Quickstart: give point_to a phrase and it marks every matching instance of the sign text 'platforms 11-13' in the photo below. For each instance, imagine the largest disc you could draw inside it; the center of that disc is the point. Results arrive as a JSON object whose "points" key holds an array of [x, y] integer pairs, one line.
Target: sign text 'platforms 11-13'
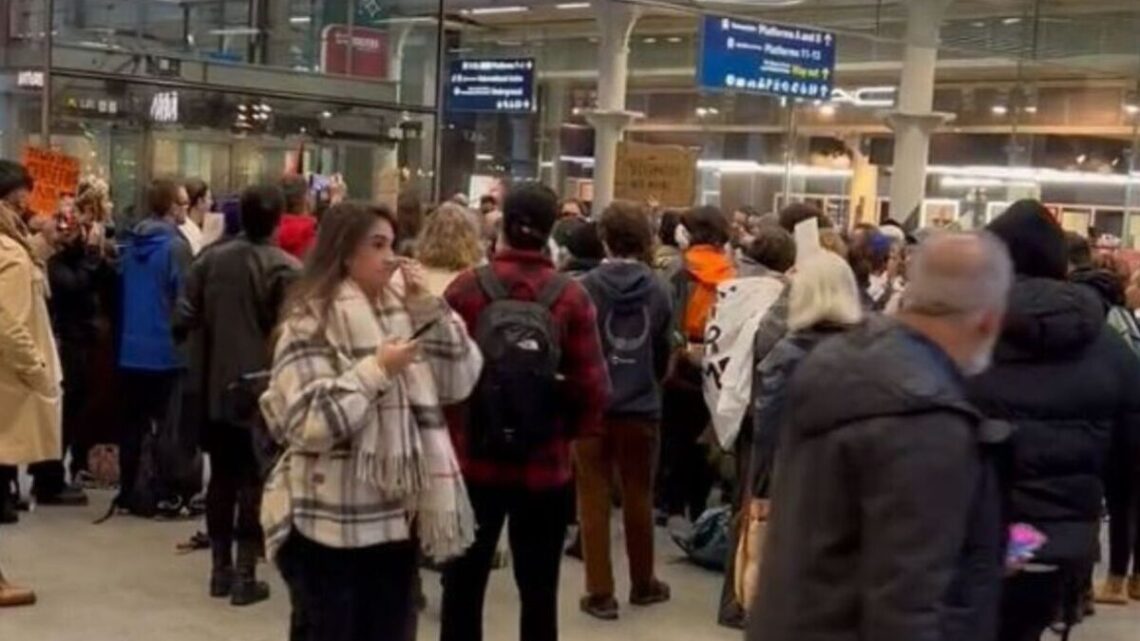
{"points": [[493, 85], [753, 57]]}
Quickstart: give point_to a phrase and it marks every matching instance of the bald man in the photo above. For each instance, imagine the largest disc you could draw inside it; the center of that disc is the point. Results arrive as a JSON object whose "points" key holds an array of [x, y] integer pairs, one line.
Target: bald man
{"points": [[886, 521]]}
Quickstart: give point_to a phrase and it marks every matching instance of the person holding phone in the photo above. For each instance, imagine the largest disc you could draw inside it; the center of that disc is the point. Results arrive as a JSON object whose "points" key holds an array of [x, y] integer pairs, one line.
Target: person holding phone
{"points": [[368, 470]]}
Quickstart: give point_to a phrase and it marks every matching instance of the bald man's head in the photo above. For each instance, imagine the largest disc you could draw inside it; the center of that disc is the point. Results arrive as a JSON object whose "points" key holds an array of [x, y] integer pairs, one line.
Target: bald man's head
{"points": [[956, 295], [958, 273]]}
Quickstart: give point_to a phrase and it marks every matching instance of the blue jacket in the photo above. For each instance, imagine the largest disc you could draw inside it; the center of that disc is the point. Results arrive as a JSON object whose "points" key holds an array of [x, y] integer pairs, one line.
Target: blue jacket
{"points": [[155, 258]]}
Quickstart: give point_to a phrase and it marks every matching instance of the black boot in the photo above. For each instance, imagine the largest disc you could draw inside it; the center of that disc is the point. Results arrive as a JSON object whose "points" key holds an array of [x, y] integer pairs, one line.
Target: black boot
{"points": [[222, 575], [8, 503], [247, 590], [8, 513]]}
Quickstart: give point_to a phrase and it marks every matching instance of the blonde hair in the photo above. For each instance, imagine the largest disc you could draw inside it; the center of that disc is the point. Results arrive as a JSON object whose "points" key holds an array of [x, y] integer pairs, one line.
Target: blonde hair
{"points": [[832, 241], [449, 240], [823, 291], [94, 199]]}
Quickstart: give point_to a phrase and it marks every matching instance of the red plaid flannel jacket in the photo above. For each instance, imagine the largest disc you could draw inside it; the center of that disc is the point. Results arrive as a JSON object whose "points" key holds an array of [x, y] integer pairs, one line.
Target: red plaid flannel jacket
{"points": [[583, 366]]}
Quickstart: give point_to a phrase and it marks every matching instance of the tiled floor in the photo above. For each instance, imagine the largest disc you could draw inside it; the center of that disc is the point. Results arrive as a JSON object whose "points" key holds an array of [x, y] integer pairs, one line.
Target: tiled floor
{"points": [[122, 581]]}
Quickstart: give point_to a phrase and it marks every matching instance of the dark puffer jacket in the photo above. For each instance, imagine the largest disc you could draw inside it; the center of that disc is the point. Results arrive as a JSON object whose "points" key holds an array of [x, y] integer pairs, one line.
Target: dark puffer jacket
{"points": [[1072, 388], [886, 520]]}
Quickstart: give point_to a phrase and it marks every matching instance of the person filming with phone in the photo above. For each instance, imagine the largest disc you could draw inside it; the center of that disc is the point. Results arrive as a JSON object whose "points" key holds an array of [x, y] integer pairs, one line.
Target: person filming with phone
{"points": [[364, 362]]}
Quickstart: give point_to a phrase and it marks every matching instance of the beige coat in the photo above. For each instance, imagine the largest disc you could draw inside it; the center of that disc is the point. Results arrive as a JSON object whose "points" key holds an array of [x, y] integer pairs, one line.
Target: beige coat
{"points": [[30, 375]]}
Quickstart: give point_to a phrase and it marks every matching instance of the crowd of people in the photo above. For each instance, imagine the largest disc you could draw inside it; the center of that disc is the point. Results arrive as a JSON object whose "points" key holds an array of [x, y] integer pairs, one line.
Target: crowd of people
{"points": [[907, 440]]}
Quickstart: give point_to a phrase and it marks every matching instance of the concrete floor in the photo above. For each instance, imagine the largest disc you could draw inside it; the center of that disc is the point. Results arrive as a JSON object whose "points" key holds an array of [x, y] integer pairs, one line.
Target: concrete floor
{"points": [[122, 581]]}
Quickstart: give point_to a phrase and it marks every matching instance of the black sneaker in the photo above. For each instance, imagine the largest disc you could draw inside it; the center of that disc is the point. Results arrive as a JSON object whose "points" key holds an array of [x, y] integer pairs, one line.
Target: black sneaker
{"points": [[600, 607], [655, 592], [70, 496], [221, 583], [248, 592]]}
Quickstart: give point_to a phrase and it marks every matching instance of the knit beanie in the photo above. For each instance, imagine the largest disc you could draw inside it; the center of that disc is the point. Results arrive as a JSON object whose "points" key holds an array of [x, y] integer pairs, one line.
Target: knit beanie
{"points": [[1035, 241]]}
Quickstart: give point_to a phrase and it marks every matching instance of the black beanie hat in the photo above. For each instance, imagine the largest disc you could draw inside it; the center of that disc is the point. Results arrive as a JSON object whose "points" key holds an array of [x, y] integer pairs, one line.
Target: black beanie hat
{"points": [[1035, 241]]}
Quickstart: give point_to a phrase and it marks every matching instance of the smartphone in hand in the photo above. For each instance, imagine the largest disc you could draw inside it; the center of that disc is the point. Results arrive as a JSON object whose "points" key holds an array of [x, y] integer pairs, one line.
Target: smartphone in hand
{"points": [[425, 327]]}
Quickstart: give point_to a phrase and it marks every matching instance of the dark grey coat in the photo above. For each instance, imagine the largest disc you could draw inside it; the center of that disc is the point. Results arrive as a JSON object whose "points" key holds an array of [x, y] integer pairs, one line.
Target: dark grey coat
{"points": [[886, 517], [232, 297]]}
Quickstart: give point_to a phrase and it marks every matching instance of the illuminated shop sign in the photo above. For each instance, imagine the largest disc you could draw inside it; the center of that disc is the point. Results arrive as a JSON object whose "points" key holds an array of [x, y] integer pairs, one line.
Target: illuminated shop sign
{"points": [[865, 96], [499, 85], [30, 79], [752, 57], [164, 107]]}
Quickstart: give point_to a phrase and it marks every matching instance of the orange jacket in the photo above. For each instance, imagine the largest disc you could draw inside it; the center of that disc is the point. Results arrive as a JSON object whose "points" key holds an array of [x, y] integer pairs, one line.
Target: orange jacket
{"points": [[708, 267]]}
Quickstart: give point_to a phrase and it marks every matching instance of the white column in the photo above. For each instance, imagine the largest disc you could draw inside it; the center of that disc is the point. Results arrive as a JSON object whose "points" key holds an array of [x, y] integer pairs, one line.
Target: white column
{"points": [[615, 20], [914, 118]]}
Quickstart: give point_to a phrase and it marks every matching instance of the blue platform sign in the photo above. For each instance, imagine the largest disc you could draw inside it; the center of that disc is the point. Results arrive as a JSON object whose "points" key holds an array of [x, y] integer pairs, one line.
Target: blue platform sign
{"points": [[495, 85], [753, 57]]}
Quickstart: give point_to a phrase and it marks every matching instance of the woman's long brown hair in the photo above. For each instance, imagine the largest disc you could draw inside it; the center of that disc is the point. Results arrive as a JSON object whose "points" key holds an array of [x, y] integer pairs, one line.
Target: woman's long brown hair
{"points": [[342, 230]]}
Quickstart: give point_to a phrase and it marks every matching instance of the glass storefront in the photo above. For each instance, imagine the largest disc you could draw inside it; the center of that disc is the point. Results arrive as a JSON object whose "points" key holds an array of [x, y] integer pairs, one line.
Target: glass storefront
{"points": [[234, 92]]}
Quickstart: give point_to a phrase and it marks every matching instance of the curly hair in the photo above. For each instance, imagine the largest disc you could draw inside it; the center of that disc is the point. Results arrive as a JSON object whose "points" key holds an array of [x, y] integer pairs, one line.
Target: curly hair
{"points": [[94, 199], [449, 240]]}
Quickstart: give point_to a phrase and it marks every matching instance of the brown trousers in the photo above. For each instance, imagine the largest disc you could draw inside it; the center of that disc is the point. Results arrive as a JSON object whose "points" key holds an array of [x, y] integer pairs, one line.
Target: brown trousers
{"points": [[630, 445]]}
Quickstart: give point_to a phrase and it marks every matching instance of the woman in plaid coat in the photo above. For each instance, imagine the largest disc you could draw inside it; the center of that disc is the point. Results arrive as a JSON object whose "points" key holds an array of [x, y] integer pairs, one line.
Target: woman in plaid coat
{"points": [[365, 360]]}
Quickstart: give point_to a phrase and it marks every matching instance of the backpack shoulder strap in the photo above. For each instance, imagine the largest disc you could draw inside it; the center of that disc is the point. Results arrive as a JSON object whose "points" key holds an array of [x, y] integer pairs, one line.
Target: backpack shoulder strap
{"points": [[490, 284], [552, 290]]}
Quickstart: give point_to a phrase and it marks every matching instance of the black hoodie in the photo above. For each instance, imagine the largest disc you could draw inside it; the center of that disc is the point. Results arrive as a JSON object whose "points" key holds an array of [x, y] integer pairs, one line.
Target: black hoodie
{"points": [[634, 316], [1072, 388]]}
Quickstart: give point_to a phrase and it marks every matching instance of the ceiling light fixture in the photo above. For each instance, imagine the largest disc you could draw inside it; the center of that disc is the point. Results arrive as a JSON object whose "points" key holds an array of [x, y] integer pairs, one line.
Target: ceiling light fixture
{"points": [[572, 6], [490, 11], [767, 4], [999, 110]]}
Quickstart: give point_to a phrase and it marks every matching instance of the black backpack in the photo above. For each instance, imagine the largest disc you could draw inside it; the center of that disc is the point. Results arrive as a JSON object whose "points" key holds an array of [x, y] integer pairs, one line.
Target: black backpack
{"points": [[517, 402], [627, 341]]}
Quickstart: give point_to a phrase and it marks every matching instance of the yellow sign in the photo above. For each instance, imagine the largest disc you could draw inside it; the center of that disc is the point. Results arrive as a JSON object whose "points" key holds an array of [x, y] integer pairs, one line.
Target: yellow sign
{"points": [[665, 173], [55, 174]]}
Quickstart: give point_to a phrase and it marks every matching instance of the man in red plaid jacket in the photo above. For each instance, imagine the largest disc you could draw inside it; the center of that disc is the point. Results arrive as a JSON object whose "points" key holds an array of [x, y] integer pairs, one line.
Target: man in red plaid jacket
{"points": [[532, 493]]}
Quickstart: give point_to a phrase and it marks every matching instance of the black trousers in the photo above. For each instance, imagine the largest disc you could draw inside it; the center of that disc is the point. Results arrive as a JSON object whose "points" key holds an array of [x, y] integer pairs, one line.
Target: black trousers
{"points": [[355, 594], [48, 476], [1122, 495], [147, 411], [233, 498], [1031, 602], [685, 476], [536, 530]]}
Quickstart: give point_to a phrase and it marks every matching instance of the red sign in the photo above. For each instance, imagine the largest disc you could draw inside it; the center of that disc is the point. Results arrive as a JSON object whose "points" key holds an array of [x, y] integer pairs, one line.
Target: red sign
{"points": [[369, 51], [55, 175]]}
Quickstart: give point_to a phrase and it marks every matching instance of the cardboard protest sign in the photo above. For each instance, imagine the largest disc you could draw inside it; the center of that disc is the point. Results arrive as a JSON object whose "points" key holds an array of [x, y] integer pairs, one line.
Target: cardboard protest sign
{"points": [[665, 173], [55, 174]]}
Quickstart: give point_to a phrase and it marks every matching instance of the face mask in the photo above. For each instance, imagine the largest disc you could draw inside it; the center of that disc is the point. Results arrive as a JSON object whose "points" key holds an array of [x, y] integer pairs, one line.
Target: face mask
{"points": [[681, 236]]}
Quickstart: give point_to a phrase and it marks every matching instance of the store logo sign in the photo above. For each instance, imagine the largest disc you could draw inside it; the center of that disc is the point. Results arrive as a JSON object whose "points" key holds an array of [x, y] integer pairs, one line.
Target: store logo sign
{"points": [[164, 107], [30, 79], [865, 96]]}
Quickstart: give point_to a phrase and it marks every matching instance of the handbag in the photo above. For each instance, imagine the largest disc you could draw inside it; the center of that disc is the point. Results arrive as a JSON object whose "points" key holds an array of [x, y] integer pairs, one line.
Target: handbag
{"points": [[749, 550], [242, 407]]}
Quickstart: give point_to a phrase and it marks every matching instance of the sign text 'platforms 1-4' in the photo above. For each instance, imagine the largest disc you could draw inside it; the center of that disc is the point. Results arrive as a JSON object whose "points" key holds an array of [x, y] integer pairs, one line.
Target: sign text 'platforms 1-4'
{"points": [[753, 57], [496, 85]]}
